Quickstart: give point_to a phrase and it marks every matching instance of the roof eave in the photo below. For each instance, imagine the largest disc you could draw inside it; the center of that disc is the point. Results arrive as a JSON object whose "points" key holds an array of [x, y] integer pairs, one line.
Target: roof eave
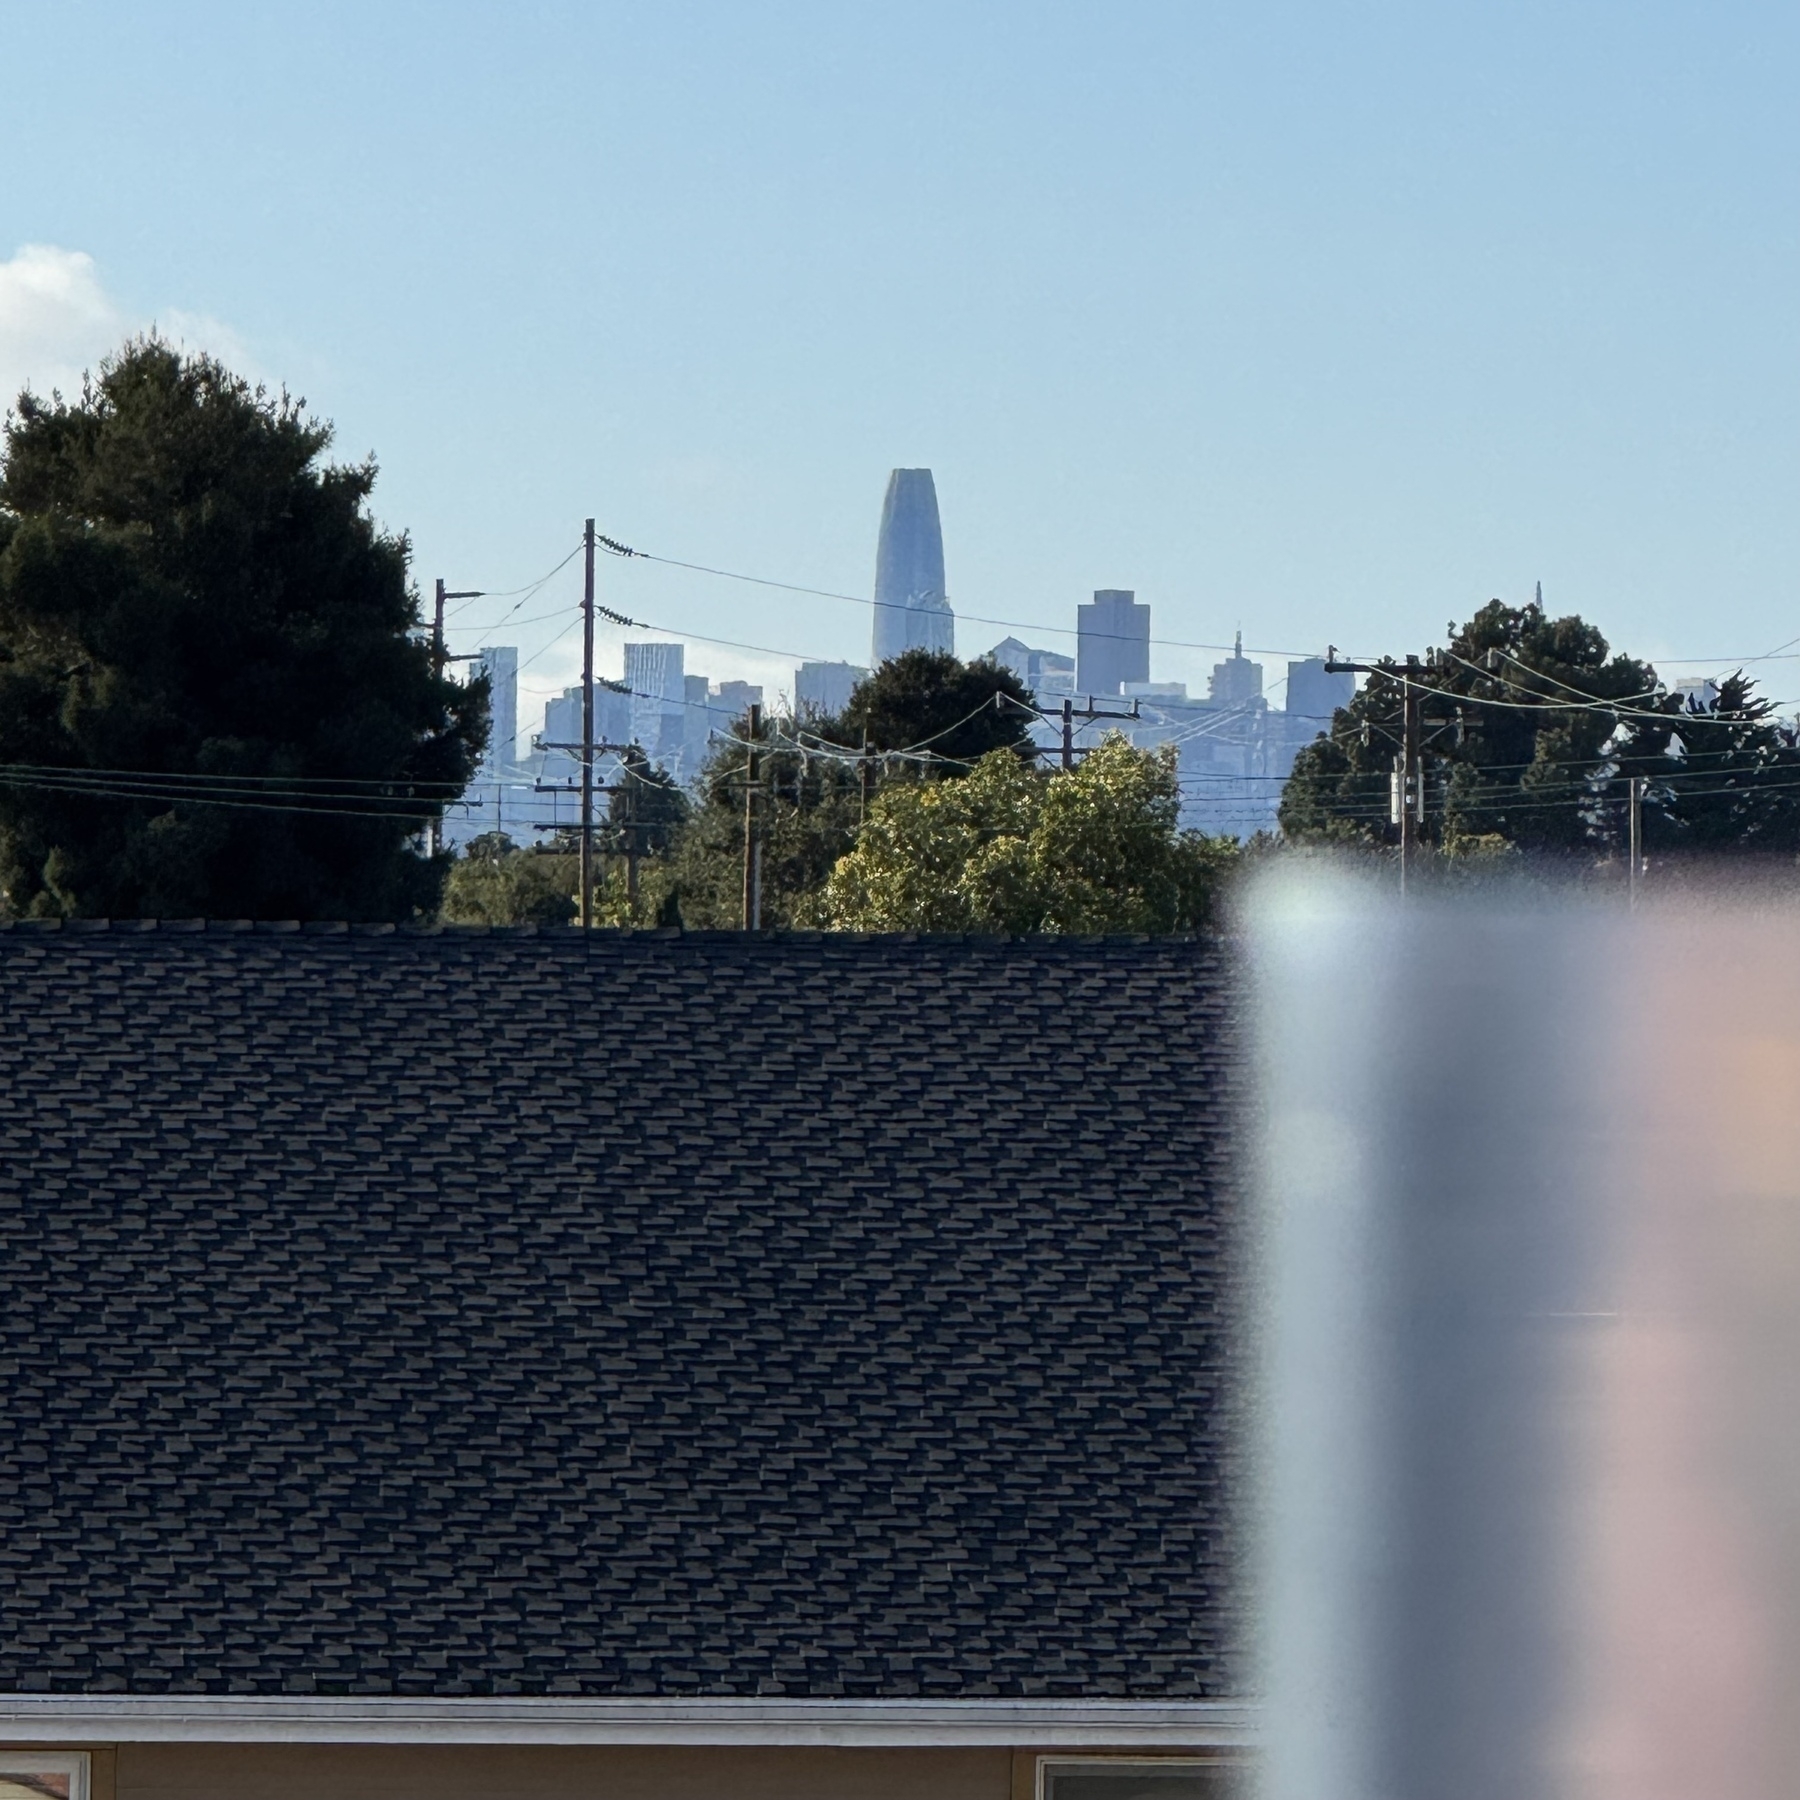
{"points": [[311, 1719]]}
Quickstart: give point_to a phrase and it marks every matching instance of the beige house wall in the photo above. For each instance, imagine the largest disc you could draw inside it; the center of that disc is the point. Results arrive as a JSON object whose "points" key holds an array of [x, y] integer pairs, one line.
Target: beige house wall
{"points": [[488, 1772], [167, 1771]]}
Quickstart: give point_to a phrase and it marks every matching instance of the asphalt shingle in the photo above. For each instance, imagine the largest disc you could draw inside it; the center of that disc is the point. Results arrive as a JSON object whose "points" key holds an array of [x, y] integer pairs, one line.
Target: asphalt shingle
{"points": [[532, 1313]]}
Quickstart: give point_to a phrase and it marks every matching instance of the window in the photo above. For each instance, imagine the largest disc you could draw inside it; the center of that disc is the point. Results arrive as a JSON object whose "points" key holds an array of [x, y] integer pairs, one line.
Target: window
{"points": [[1138, 1778], [43, 1775]]}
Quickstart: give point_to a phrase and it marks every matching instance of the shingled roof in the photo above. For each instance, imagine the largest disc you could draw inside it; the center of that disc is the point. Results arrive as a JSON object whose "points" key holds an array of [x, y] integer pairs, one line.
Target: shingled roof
{"points": [[518, 1313]]}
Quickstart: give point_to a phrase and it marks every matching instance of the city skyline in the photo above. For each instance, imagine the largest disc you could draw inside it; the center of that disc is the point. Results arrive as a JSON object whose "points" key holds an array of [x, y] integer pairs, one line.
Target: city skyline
{"points": [[1332, 325]]}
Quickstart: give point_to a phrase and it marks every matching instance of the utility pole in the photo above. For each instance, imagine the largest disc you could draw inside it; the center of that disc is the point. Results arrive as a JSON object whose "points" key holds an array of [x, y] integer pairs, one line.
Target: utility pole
{"points": [[434, 832], [1411, 791], [1090, 711], [1406, 786], [597, 749], [752, 847], [586, 914], [1635, 832], [865, 774]]}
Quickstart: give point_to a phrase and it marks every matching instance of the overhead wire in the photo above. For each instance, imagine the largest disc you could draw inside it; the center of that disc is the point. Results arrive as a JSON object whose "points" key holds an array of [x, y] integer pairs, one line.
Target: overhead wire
{"points": [[794, 587], [114, 789], [530, 588]]}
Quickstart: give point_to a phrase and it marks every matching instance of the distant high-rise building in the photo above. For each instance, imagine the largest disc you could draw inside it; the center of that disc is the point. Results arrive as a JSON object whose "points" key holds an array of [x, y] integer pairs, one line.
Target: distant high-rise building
{"points": [[1047, 673], [1113, 642], [658, 686], [485, 805], [697, 722], [730, 700], [911, 608], [1014, 654], [1236, 682], [823, 688], [500, 664], [1314, 694]]}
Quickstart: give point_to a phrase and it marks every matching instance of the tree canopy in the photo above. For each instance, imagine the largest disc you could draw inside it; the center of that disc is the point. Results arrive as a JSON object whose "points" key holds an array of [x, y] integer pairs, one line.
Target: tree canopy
{"points": [[956, 711], [808, 806], [494, 882], [212, 700], [1011, 850], [1531, 730], [813, 787]]}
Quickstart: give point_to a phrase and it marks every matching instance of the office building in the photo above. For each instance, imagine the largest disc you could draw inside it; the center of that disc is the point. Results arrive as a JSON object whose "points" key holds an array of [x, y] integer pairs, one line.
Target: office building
{"points": [[912, 611], [1237, 681], [730, 700], [658, 686], [822, 689], [485, 804], [1047, 673], [1112, 643], [500, 664], [1315, 694]]}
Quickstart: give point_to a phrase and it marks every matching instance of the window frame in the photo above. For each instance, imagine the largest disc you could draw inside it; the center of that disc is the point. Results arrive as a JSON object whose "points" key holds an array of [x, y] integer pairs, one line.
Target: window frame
{"points": [[76, 1764], [1040, 1786]]}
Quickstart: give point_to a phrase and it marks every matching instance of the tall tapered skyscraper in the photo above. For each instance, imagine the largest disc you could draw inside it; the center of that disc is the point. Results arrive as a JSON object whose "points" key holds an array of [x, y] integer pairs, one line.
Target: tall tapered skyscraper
{"points": [[911, 611]]}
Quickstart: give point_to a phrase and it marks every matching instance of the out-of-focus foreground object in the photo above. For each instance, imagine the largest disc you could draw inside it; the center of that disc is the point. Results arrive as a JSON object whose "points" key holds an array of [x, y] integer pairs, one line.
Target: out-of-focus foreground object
{"points": [[1532, 1413]]}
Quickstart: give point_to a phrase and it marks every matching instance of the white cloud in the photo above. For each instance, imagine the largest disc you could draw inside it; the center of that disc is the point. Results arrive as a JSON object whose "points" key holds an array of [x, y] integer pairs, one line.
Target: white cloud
{"points": [[57, 320], [201, 331]]}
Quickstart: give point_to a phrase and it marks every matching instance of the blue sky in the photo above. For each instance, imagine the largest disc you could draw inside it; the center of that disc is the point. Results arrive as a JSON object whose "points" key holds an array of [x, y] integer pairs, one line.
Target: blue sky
{"points": [[1325, 322]]}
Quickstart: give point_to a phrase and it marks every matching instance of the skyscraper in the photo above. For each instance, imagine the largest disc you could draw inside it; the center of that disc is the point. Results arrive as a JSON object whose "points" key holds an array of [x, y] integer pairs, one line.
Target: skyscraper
{"points": [[500, 664], [1314, 695], [911, 611], [1238, 681], [658, 686], [1047, 673], [1113, 642], [824, 687]]}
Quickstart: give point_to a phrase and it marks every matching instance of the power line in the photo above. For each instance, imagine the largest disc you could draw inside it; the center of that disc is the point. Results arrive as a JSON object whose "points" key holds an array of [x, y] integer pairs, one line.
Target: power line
{"points": [[530, 588], [794, 587], [303, 807], [201, 776]]}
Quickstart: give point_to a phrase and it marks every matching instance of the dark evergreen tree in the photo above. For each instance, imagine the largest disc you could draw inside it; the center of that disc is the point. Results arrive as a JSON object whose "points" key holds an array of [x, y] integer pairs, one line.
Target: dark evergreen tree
{"points": [[1532, 730], [212, 697], [1723, 775], [1529, 728]]}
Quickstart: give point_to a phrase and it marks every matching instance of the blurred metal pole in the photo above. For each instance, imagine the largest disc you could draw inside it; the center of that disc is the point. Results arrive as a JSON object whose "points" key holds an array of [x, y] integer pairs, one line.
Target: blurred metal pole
{"points": [[1636, 835], [752, 861], [586, 914], [1410, 772]]}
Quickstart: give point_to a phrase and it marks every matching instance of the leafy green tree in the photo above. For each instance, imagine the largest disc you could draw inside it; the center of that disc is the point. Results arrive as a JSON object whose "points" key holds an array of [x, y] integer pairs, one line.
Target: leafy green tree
{"points": [[494, 882], [1530, 728], [1532, 731], [813, 787], [1008, 849], [808, 806], [957, 711], [212, 700]]}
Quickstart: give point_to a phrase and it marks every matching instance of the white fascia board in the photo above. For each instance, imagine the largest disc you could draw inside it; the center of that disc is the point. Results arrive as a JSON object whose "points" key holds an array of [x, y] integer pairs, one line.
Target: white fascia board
{"points": [[252, 1719]]}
